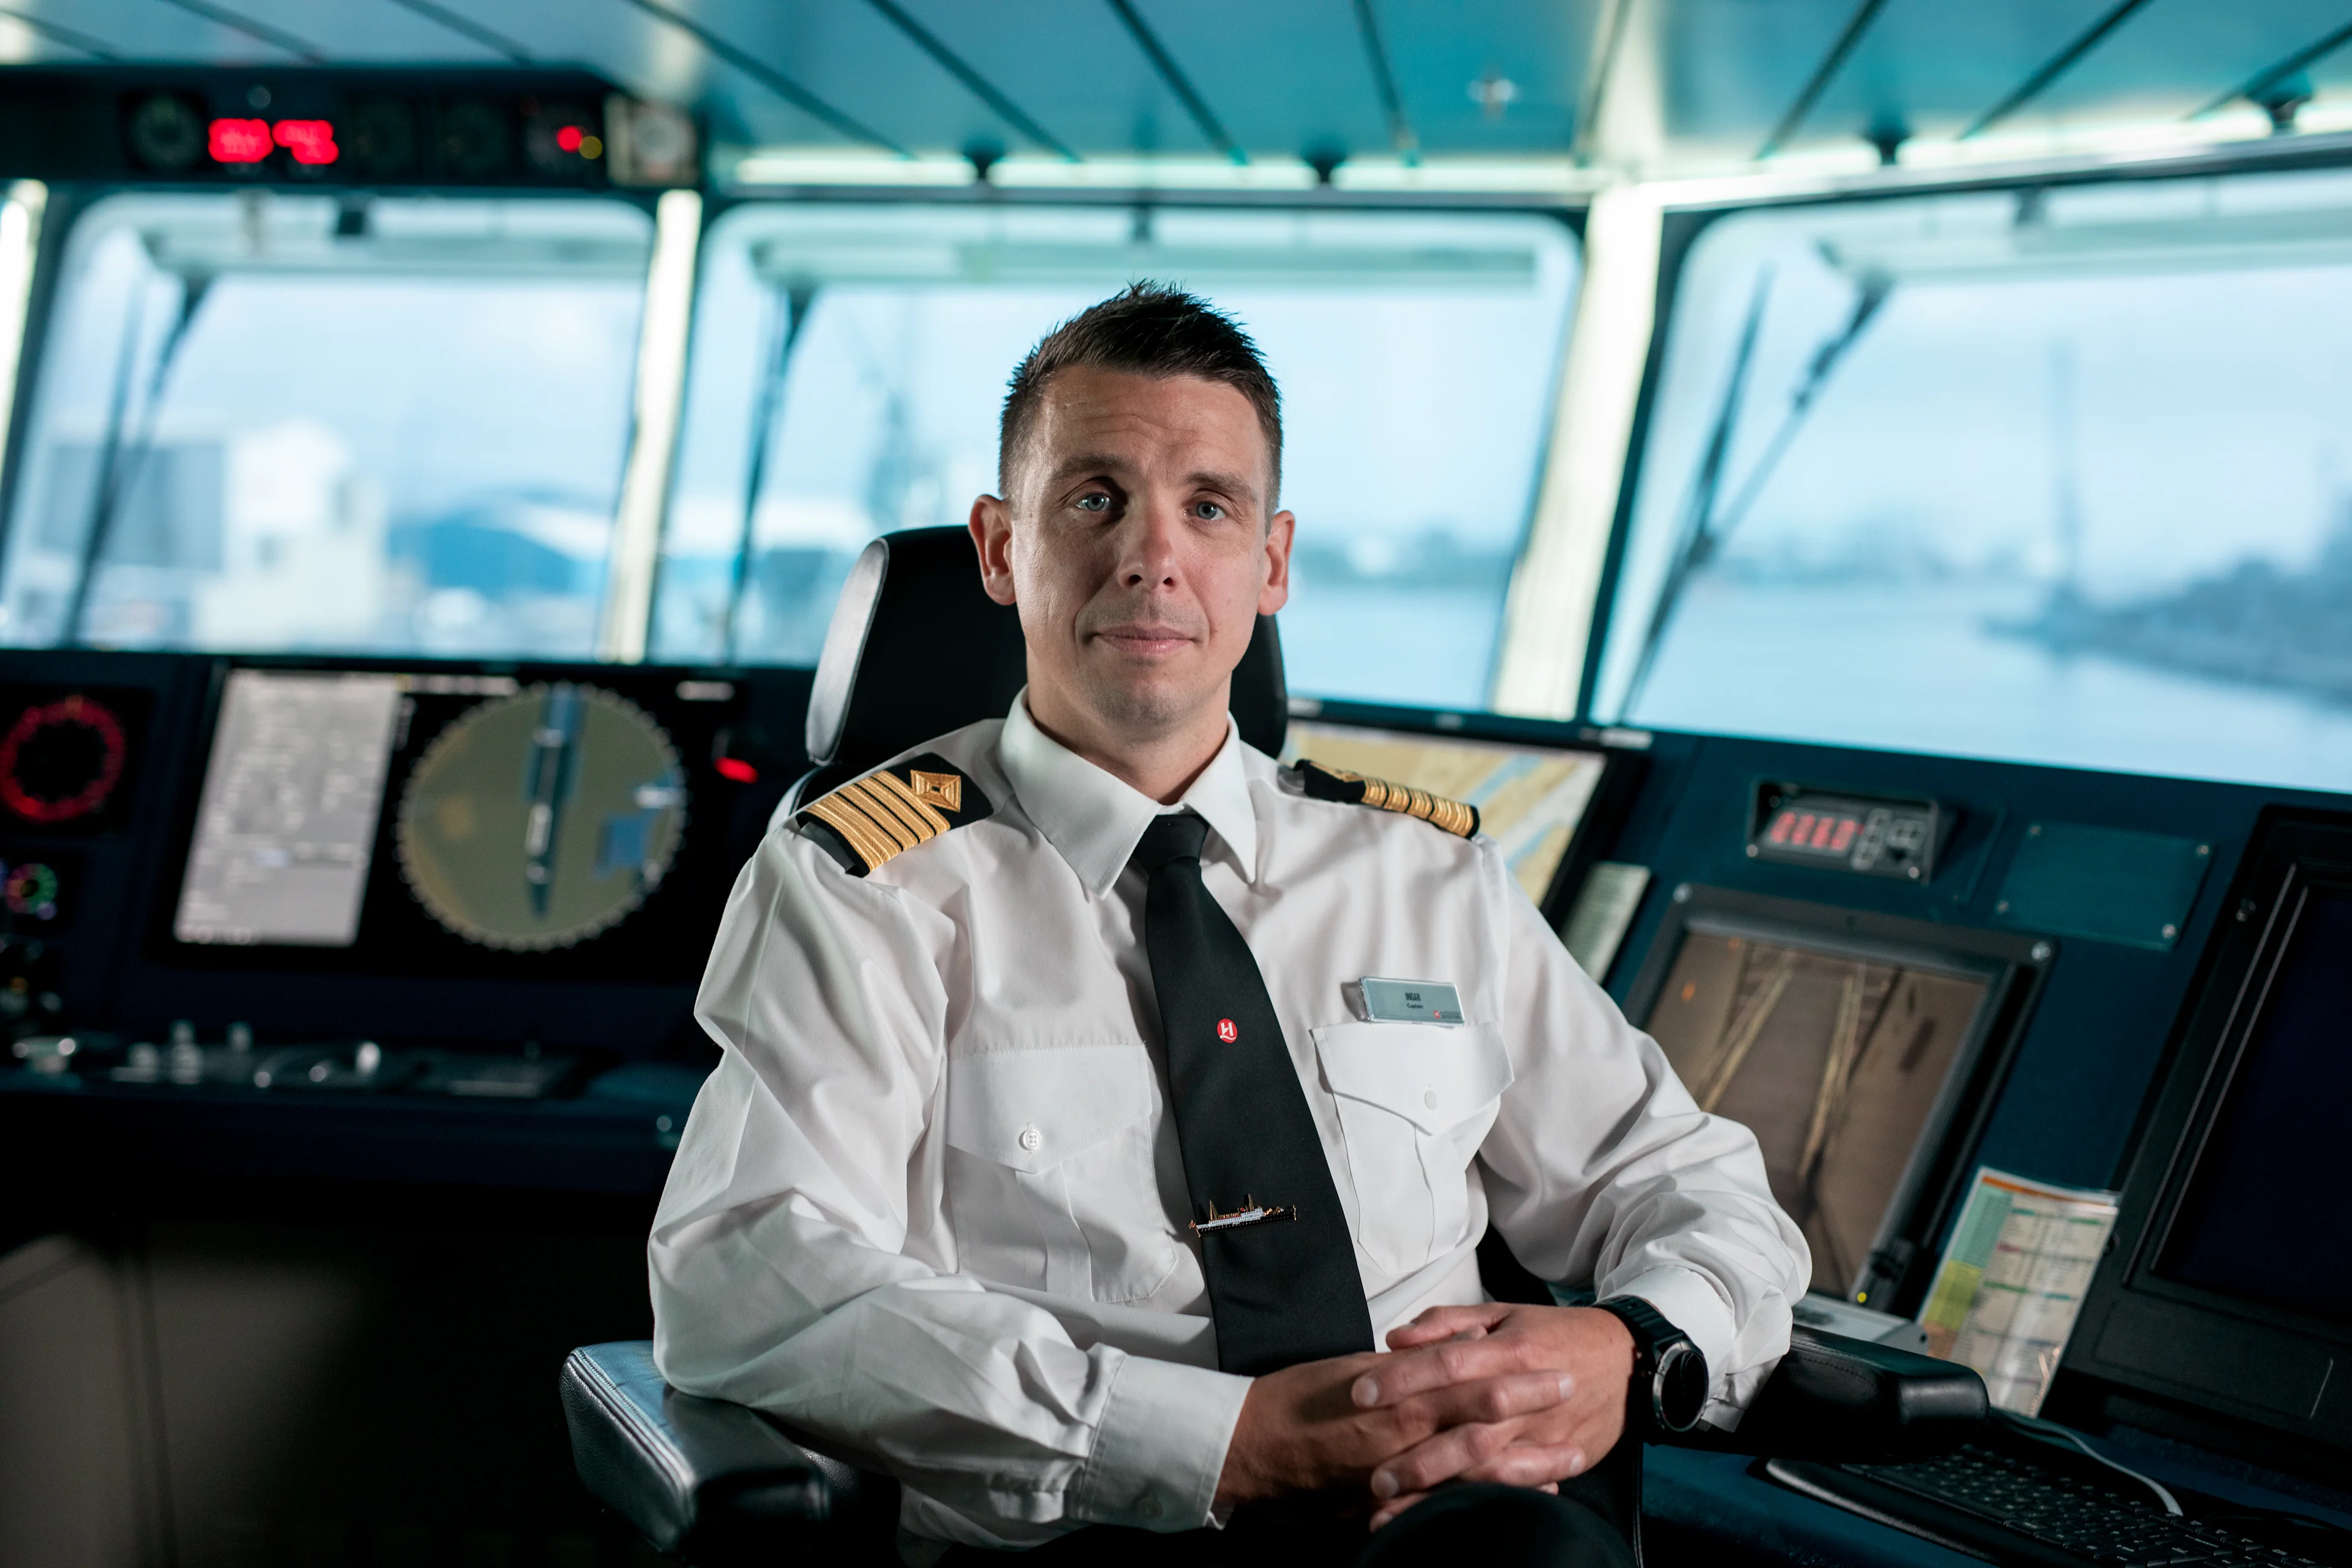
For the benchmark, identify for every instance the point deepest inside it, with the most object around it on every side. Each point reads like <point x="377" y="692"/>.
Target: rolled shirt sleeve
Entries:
<point x="1599" y="1166"/>
<point x="800" y="1262"/>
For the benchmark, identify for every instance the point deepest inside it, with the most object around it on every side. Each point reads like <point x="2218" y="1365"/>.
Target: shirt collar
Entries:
<point x="1096" y="818"/>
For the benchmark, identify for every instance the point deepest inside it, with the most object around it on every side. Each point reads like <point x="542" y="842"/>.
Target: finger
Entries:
<point x="1440" y="1458"/>
<point x="1488" y="1400"/>
<point x="1404" y="1374"/>
<point x="1531" y="1465"/>
<point x="1443" y="1323"/>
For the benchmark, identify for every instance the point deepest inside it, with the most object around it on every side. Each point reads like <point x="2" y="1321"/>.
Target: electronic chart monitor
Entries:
<point x="1540" y="803"/>
<point x="2228" y="1289"/>
<point x="1862" y="1050"/>
<point x="454" y="822"/>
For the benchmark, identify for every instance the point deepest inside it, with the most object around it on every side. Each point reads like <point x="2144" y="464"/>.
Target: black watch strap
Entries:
<point x="1670" y="1373"/>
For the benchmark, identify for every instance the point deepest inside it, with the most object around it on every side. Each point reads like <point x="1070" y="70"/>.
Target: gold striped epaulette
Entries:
<point x="874" y="818"/>
<point x="1456" y="817"/>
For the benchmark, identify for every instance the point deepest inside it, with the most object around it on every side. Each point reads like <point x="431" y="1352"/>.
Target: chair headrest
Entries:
<point x="917" y="649"/>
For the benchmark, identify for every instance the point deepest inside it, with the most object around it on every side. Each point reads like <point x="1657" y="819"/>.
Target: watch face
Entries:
<point x="1681" y="1386"/>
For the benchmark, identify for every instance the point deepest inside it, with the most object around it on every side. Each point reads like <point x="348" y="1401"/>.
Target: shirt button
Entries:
<point x="1031" y="1139"/>
<point x="1429" y="1098"/>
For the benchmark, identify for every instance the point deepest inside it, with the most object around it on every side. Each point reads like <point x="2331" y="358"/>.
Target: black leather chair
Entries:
<point x="916" y="649"/>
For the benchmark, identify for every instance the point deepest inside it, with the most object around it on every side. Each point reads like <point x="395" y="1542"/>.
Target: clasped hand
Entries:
<point x="1524" y="1395"/>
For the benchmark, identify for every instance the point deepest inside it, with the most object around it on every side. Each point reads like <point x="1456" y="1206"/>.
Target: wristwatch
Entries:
<point x="1670" y="1379"/>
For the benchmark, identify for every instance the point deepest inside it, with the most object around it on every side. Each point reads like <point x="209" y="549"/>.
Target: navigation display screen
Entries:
<point x="1530" y="799"/>
<point x="1836" y="1062"/>
<point x="453" y="822"/>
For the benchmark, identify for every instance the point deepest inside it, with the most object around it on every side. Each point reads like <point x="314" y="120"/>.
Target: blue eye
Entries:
<point x="1094" y="500"/>
<point x="1208" y="511"/>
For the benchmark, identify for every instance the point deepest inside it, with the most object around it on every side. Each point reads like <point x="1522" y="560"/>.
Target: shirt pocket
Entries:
<point x="1415" y="1101"/>
<point x="1050" y="1178"/>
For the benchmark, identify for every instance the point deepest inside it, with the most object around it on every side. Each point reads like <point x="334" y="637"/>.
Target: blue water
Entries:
<point x="1909" y="667"/>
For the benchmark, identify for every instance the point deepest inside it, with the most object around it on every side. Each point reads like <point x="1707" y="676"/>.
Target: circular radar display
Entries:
<point x="60" y="761"/>
<point x="538" y="820"/>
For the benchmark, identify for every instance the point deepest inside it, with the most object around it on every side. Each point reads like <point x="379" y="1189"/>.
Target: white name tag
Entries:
<point x="1409" y="1001"/>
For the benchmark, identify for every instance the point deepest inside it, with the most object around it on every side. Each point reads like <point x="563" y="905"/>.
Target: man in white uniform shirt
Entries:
<point x="960" y="1197"/>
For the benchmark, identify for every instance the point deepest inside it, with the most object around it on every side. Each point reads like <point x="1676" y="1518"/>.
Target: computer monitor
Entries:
<point x="1862" y="1050"/>
<point x="524" y="822"/>
<point x="2229" y="1290"/>
<point x="1546" y="797"/>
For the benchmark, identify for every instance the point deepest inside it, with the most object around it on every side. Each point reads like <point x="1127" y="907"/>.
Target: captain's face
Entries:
<point x="1136" y="542"/>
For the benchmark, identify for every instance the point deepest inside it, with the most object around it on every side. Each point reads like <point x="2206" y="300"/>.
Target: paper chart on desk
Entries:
<point x="2012" y="1281"/>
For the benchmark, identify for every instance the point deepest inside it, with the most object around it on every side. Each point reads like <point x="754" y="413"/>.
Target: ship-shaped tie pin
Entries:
<point x="1251" y="1212"/>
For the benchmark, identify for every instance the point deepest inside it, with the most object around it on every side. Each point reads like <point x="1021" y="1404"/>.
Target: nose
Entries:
<point x="1150" y="556"/>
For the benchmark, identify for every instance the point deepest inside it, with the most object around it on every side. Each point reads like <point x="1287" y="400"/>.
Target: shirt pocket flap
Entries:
<point x="1031" y="1110"/>
<point x="1432" y="1075"/>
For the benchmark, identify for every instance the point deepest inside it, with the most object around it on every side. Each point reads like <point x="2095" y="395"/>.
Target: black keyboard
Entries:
<point x="2017" y="1507"/>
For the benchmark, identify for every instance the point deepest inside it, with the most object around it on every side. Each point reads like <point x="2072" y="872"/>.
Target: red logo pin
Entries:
<point x="1227" y="1032"/>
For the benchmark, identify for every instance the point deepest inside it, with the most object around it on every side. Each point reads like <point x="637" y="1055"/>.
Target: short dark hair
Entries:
<point x="1150" y="329"/>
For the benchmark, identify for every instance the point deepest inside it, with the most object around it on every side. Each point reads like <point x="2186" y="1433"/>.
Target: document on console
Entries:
<point x="2012" y="1281"/>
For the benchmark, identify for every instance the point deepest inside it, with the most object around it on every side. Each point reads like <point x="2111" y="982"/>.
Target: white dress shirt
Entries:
<point x="930" y="1207"/>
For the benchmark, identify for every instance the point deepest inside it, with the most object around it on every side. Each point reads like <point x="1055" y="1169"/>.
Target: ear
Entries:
<point x="1277" y="590"/>
<point x="991" y="535"/>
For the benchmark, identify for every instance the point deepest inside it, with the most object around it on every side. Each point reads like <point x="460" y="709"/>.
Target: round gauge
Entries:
<point x="165" y="133"/>
<point x="60" y="761"/>
<point x="538" y="820"/>
<point x="30" y="889"/>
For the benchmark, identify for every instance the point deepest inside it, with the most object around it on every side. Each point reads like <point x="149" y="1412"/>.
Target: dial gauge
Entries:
<point x="541" y="819"/>
<point x="61" y="759"/>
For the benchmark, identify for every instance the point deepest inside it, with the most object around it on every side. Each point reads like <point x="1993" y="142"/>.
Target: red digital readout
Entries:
<point x="239" y="141"/>
<point x="1819" y="833"/>
<point x="311" y="142"/>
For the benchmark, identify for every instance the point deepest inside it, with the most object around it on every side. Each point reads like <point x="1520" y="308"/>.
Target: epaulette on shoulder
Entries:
<point x="873" y="819"/>
<point x="1457" y="817"/>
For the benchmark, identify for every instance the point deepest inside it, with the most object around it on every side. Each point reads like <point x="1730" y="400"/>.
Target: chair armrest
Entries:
<point x="1846" y="1400"/>
<point x="712" y="1481"/>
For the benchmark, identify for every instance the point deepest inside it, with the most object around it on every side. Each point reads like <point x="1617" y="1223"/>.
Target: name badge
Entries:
<point x="1409" y="1001"/>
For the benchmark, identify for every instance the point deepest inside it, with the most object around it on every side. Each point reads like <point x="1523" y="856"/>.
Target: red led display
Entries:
<point x="1819" y="833"/>
<point x="311" y="142"/>
<point x="239" y="141"/>
<point x="569" y="138"/>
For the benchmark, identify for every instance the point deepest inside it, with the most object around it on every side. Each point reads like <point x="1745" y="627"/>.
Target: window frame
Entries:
<point x="1683" y="222"/>
<point x="69" y="202"/>
<point x="1570" y="210"/>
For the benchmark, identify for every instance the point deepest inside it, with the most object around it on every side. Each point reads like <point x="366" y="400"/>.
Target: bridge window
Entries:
<point x="297" y="422"/>
<point x="2059" y="475"/>
<point x="849" y="362"/>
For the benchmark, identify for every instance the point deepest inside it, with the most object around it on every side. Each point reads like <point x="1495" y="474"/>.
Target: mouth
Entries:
<point x="1145" y="639"/>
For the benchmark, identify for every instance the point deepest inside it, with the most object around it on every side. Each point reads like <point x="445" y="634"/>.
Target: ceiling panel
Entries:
<point x="1281" y="78"/>
<point x="1072" y="64"/>
<point x="1732" y="67"/>
<point x="366" y="32"/>
<point x="1440" y="48"/>
<point x="638" y="49"/>
<point x="849" y="54"/>
<point x="1936" y="67"/>
<point x="2179" y="55"/>
<point x="151" y="30"/>
<point x="22" y="42"/>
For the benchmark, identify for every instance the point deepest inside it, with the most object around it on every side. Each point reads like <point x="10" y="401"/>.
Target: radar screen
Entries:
<point x="399" y="821"/>
<point x="67" y="756"/>
<point x="1863" y="1051"/>
<point x="1834" y="1061"/>
<point x="592" y="830"/>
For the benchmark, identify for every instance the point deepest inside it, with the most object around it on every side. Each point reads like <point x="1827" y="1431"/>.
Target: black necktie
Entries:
<point x="1283" y="1285"/>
